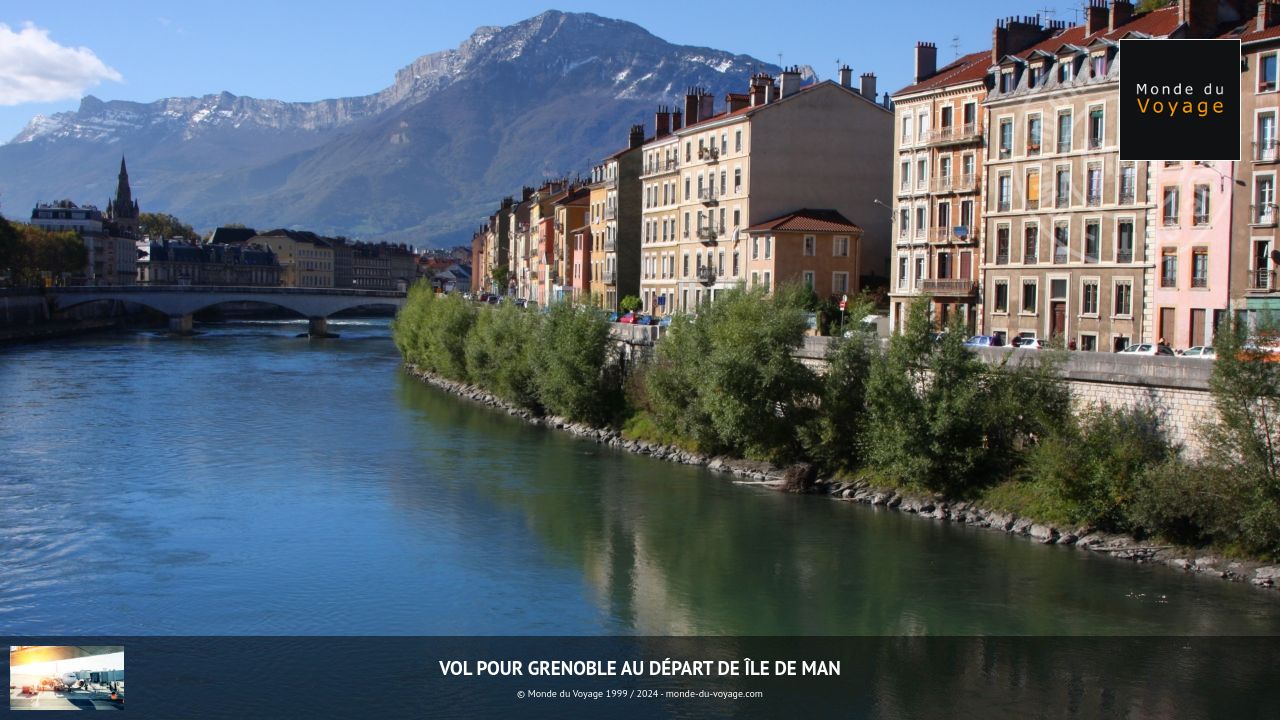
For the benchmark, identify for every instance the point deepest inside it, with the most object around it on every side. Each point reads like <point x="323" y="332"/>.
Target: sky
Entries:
<point x="52" y="54"/>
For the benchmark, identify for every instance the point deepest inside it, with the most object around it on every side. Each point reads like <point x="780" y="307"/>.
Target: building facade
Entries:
<point x="171" y="262"/>
<point x="818" y="248"/>
<point x="306" y="260"/>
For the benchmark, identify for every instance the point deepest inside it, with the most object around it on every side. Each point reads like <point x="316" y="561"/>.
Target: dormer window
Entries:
<point x="1033" y="77"/>
<point x="1064" y="70"/>
<point x="1099" y="62"/>
<point x="1006" y="81"/>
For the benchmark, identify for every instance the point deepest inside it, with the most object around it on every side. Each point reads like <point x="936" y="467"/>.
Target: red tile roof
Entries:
<point x="807" y="220"/>
<point x="966" y="69"/>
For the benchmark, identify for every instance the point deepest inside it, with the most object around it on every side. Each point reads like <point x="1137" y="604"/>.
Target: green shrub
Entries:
<point x="499" y="352"/>
<point x="410" y="322"/>
<point x="1098" y="462"/>
<point x="569" y="364"/>
<point x="446" y="321"/>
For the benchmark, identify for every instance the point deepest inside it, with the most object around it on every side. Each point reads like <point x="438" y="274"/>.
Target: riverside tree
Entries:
<point x="499" y="353"/>
<point x="837" y="435"/>
<point x="571" y="375"/>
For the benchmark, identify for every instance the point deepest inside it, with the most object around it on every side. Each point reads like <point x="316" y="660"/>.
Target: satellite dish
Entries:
<point x="961" y="231"/>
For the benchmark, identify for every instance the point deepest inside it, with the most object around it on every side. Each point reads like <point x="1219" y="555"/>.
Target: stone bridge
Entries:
<point x="180" y="302"/>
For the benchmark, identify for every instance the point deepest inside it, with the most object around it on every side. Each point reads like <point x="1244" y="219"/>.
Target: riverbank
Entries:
<point x="1189" y="560"/>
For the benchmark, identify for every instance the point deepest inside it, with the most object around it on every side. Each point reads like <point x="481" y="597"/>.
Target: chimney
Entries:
<point x="759" y="82"/>
<point x="1200" y="17"/>
<point x="1095" y="16"/>
<point x="790" y="81"/>
<point x="770" y="92"/>
<point x="677" y="121"/>
<point x="846" y="76"/>
<point x="926" y="60"/>
<point x="735" y="101"/>
<point x="662" y="122"/>
<point x="526" y="193"/>
<point x="868" y="88"/>
<point x="1121" y="11"/>
<point x="1268" y="14"/>
<point x="1015" y="34"/>
<point x="691" y="106"/>
<point x="636" y="139"/>
<point x="706" y="104"/>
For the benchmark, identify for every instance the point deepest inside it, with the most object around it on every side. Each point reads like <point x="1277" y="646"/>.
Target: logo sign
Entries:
<point x="1179" y="100"/>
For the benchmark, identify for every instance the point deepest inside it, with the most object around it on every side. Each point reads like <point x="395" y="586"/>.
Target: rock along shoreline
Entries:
<point x="800" y="479"/>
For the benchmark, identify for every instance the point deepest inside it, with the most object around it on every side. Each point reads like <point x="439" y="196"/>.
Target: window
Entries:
<point x="1202" y="205"/>
<point x="902" y="272"/>
<point x="766" y="281"/>
<point x="810" y="245"/>
<point x="1124" y="241"/>
<point x="808" y="279"/>
<point x="737" y="141"/>
<point x="906" y="129"/>
<point x="1032" y="200"/>
<point x="1031" y="244"/>
<point x="1168" y="268"/>
<point x="1170" y="206"/>
<point x="1200" y="268"/>
<point x="735" y="263"/>
<point x="922" y="173"/>
<point x="966" y="215"/>
<point x="686" y="187"/>
<point x="768" y="247"/>
<point x="839" y="283"/>
<point x="1006" y="81"/>
<point x="1006" y="138"/>
<point x="686" y="264"/>
<point x="737" y="180"/>
<point x="1096" y="132"/>
<point x="1029" y="290"/>
<point x="944" y="266"/>
<point x="1128" y="183"/>
<point x="1093" y="185"/>
<point x="944" y="170"/>
<point x="1265" y="200"/>
<point x="1267" y="72"/>
<point x="1089" y="297"/>
<point x="970" y="116"/>
<point x="1062" y="194"/>
<point x="1004" y="190"/>
<point x="905" y="182"/>
<point x="1064" y="132"/>
<point x="1124" y="298"/>
<point x="1002" y="296"/>
<point x="904" y="222"/>
<point x="737" y="217"/>
<point x="1033" y="75"/>
<point x="944" y="217"/>
<point x="919" y="269"/>
<point x="1064" y="71"/>
<point x="1092" y="240"/>
<point x="1099" y="63"/>
<point x="840" y="246"/>
<point x="922" y="221"/>
<point x="1088" y="342"/>
<point x="1002" y="245"/>
<point x="1061" y="243"/>
<point x="1033" y="135"/>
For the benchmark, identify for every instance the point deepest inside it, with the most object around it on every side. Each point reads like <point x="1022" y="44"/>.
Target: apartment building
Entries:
<point x="570" y="210"/>
<point x="774" y="150"/>
<point x="305" y="259"/>
<point x="937" y="179"/>
<point x="518" y="244"/>
<point x="595" y="235"/>
<point x="1255" y="252"/>
<point x="622" y="219"/>
<point x="659" y="180"/>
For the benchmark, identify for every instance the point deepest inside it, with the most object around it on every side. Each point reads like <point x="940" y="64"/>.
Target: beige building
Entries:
<point x="593" y="274"/>
<point x="937" y="179"/>
<point x="776" y="149"/>
<point x="305" y="259"/>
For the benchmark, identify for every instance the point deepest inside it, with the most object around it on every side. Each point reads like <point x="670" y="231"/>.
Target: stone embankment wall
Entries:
<point x="1176" y="388"/>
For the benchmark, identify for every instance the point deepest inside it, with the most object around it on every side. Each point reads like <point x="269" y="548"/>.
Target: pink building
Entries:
<point x="581" y="267"/>
<point x="1191" y="250"/>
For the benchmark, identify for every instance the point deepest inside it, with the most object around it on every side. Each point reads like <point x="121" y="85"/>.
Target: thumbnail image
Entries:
<point x="66" y="677"/>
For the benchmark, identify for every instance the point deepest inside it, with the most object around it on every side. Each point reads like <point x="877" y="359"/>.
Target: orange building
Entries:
<point x="819" y="248"/>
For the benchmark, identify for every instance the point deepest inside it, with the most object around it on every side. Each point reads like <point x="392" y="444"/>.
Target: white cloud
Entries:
<point x="34" y="68"/>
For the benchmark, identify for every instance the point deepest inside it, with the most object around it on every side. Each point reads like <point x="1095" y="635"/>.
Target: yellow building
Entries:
<point x="305" y="259"/>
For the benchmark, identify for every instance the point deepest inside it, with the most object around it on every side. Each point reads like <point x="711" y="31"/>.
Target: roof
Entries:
<point x="807" y="220"/>
<point x="965" y="69"/>
<point x="1247" y="32"/>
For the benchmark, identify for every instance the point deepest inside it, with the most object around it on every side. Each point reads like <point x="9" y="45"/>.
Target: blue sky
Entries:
<point x="51" y="54"/>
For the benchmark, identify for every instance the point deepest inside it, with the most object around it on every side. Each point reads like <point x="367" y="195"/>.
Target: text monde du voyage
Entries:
<point x="1180" y="99"/>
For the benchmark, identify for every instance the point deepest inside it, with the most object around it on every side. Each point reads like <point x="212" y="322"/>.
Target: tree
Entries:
<point x="569" y="364"/>
<point x="162" y="225"/>
<point x="837" y="436"/>
<point x="630" y="303"/>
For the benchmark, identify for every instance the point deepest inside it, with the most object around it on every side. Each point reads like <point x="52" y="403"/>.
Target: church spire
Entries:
<point x="123" y="209"/>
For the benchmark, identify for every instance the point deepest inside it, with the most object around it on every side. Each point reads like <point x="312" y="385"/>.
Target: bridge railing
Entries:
<point x="237" y="289"/>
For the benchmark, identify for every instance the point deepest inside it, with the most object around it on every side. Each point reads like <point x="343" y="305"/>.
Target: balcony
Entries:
<point x="1061" y="201"/>
<point x="1265" y="152"/>
<point x="1199" y="219"/>
<point x="609" y="277"/>
<point x="1064" y="146"/>
<point x="1124" y="255"/>
<point x="951" y="288"/>
<point x="1030" y="256"/>
<point x="1005" y="153"/>
<point x="1002" y="258"/>
<point x="710" y="154"/>
<point x="953" y="135"/>
<point x="1093" y="200"/>
<point x="1033" y="149"/>
<point x="1095" y="143"/>
<point x="1261" y="280"/>
<point x="706" y="274"/>
<point x="1032" y="203"/>
<point x="1126" y="196"/>
<point x="1263" y="214"/>
<point x="708" y="196"/>
<point x="948" y="235"/>
<point x="1060" y="256"/>
<point x="1199" y="281"/>
<point x="1003" y="205"/>
<point x="709" y="233"/>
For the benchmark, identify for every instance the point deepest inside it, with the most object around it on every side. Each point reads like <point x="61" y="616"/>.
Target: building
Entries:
<point x="1067" y="238"/>
<point x="659" y="239"/>
<point x="620" y="241"/>
<point x="174" y="262"/>
<point x="819" y="248"/>
<point x="306" y="259"/>
<point x="570" y="211"/>
<point x="122" y="211"/>
<point x="517" y="254"/>
<point x="1255" y="288"/>
<point x="772" y="150"/>
<point x="1192" y="249"/>
<point x="937" y="176"/>
<point x="111" y="259"/>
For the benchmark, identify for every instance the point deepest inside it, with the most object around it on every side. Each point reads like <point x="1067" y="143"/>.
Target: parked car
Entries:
<point x="494" y="299"/>
<point x="645" y="320"/>
<point x="984" y="341"/>
<point x="1205" y="352"/>
<point x="664" y="321"/>
<point x="614" y="317"/>
<point x="628" y="319"/>
<point x="1028" y="343"/>
<point x="1148" y="349"/>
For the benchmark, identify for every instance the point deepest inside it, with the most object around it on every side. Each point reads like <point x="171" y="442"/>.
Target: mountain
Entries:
<point x="421" y="161"/>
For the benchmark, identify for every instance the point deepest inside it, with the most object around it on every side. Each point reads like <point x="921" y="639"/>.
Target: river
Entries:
<point x="249" y="482"/>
